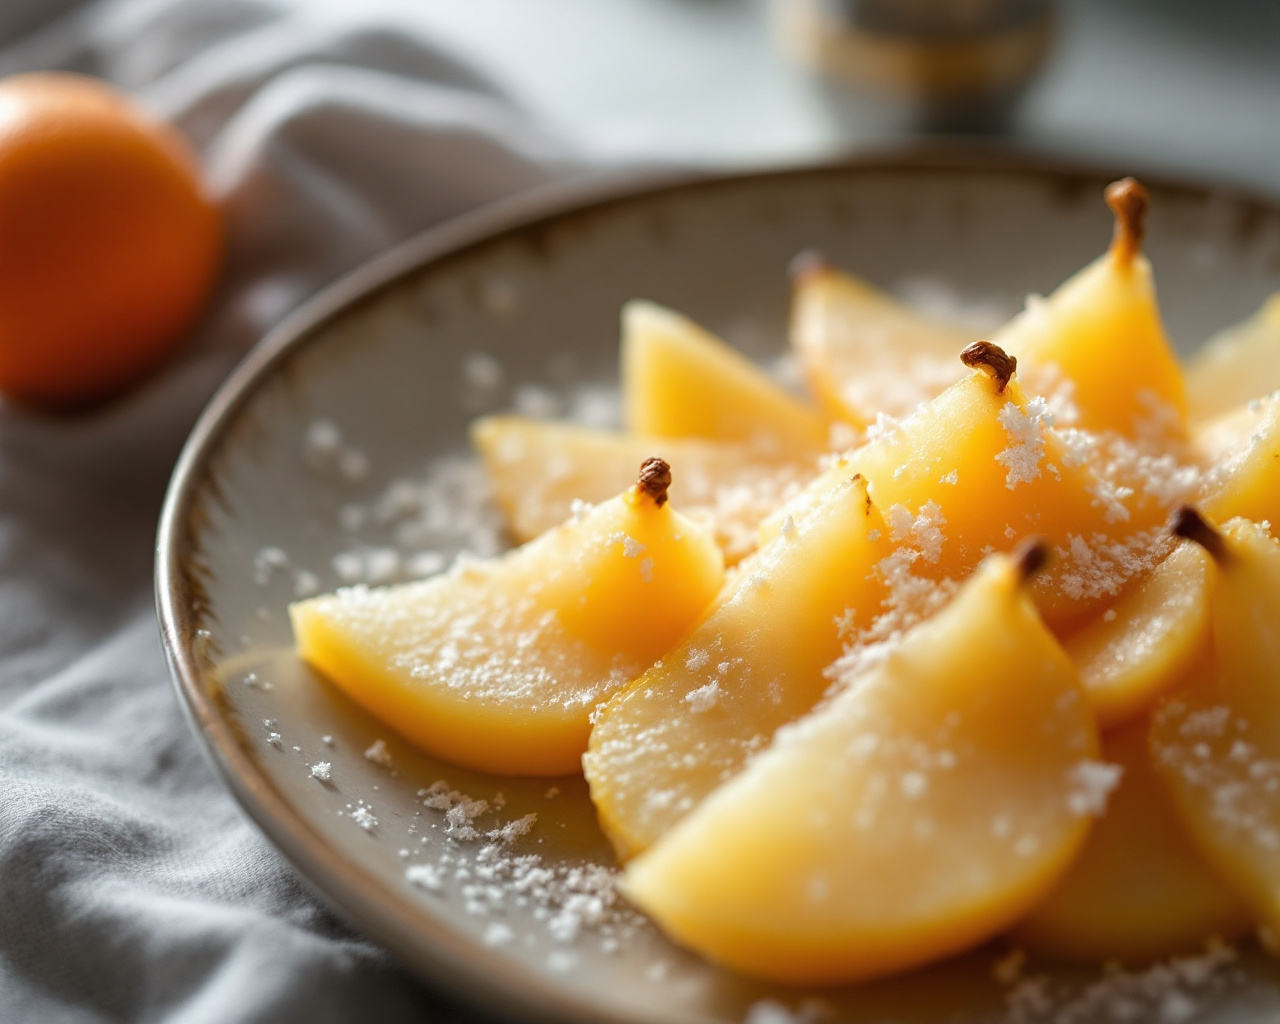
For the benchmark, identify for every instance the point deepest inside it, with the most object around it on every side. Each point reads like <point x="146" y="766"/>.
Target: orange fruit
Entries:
<point x="108" y="242"/>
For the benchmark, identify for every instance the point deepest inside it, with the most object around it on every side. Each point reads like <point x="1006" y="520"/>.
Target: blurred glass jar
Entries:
<point x="942" y="65"/>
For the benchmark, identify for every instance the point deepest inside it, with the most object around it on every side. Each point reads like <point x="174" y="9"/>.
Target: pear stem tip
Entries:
<point x="858" y="480"/>
<point x="655" y="478"/>
<point x="998" y="364"/>
<point x="1128" y="201"/>
<point x="807" y="264"/>
<point x="1191" y="525"/>
<point x="1029" y="557"/>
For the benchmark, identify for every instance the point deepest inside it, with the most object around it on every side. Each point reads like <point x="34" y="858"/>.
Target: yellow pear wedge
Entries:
<point x="1140" y="890"/>
<point x="540" y="470"/>
<point x="1099" y="338"/>
<point x="1144" y="643"/>
<point x="1241" y="450"/>
<point x="865" y="353"/>
<point x="922" y="810"/>
<point x="1236" y="365"/>
<point x="1216" y="740"/>
<point x="756" y="663"/>
<point x="498" y="665"/>
<point x="679" y="380"/>
<point x="978" y="468"/>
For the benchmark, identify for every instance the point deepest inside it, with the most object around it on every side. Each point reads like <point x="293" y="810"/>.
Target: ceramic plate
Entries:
<point x="338" y="452"/>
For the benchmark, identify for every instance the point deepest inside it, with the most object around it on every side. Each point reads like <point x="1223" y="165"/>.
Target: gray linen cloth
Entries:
<point x="131" y="887"/>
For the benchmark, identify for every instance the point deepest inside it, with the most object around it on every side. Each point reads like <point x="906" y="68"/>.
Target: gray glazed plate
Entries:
<point x="319" y="462"/>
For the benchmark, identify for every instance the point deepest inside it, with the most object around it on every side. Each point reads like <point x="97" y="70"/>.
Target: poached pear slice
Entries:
<point x="1099" y="336"/>
<point x="1143" y="644"/>
<point x="679" y="380"/>
<point x="1140" y="890"/>
<point x="1236" y="365"/>
<point x="864" y="352"/>
<point x="756" y="663"/>
<point x="541" y="469"/>
<point x="925" y="808"/>
<point x="1241" y="450"/>
<point x="978" y="467"/>
<point x="498" y="665"/>
<point x="1216" y="739"/>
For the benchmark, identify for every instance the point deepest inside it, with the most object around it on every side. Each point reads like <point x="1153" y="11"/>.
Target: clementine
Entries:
<point x="109" y="243"/>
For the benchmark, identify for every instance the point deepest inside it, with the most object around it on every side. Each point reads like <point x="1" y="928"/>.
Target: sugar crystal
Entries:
<point x="379" y="754"/>
<point x="1091" y="784"/>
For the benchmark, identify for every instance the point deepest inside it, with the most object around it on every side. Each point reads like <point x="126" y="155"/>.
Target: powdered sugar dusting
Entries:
<point x="326" y="450"/>
<point x="425" y="876"/>
<point x="1171" y="992"/>
<point x="770" y="1011"/>
<point x="631" y="548"/>
<point x="362" y="814"/>
<point x="379" y="754"/>
<point x="923" y="530"/>
<point x="1025" y="453"/>
<point x="497" y="879"/>
<point x="1099" y="566"/>
<point x="1110" y="497"/>
<point x="883" y="426"/>
<point x="1213" y="752"/>
<point x="450" y="508"/>
<point x="704" y="698"/>
<point x="910" y="599"/>
<point x="1090" y="784"/>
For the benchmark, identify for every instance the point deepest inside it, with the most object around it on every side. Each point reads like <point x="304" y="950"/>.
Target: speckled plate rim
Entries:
<point x="442" y="958"/>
